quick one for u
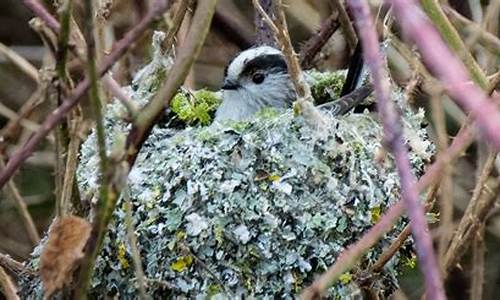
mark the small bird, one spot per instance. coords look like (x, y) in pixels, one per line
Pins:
(258, 77)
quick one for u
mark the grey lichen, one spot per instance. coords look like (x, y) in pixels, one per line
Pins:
(254, 209)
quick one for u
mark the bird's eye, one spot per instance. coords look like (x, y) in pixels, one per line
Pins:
(258, 78)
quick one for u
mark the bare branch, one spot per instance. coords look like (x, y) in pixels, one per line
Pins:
(56, 116)
(314, 45)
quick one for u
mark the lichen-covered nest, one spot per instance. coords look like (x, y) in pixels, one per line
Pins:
(253, 209)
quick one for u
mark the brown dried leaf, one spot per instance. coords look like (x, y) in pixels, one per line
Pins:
(62, 252)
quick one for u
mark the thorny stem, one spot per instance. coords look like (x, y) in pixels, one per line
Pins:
(105, 204)
(449, 69)
(393, 136)
(450, 34)
(475, 212)
(281, 35)
(56, 116)
(488, 40)
(350, 256)
(403, 235)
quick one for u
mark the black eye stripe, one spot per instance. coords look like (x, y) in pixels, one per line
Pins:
(274, 62)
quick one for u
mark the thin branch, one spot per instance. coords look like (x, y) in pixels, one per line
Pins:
(449, 69)
(482, 200)
(56, 116)
(144, 123)
(477, 273)
(12, 265)
(188, 52)
(446, 188)
(9, 131)
(8, 287)
(69, 184)
(64, 33)
(180, 12)
(263, 28)
(105, 204)
(132, 241)
(450, 34)
(22, 209)
(20, 62)
(39, 10)
(393, 136)
(488, 40)
(345, 23)
(317, 41)
(13, 116)
(400, 240)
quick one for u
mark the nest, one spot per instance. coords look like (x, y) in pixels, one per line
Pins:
(247, 209)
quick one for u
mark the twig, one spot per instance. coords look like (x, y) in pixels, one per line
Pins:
(9, 131)
(346, 24)
(145, 121)
(263, 28)
(20, 62)
(232, 28)
(105, 204)
(446, 189)
(391, 250)
(449, 69)
(314, 45)
(488, 40)
(64, 33)
(69, 183)
(132, 241)
(11, 264)
(280, 31)
(450, 34)
(400, 240)
(8, 287)
(77, 46)
(481, 202)
(36, 7)
(57, 115)
(189, 50)
(351, 255)
(13, 116)
(393, 136)
(22, 209)
(477, 273)
(180, 12)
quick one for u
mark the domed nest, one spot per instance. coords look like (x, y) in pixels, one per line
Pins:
(249, 209)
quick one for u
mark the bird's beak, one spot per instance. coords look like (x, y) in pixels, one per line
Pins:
(230, 85)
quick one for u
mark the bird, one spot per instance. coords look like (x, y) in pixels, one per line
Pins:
(258, 77)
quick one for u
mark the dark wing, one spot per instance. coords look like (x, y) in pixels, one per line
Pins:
(344, 104)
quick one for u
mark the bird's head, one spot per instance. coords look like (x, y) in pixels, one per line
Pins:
(256, 78)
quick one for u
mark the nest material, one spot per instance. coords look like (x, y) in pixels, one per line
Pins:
(249, 209)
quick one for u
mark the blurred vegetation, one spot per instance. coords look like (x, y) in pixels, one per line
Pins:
(232, 31)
